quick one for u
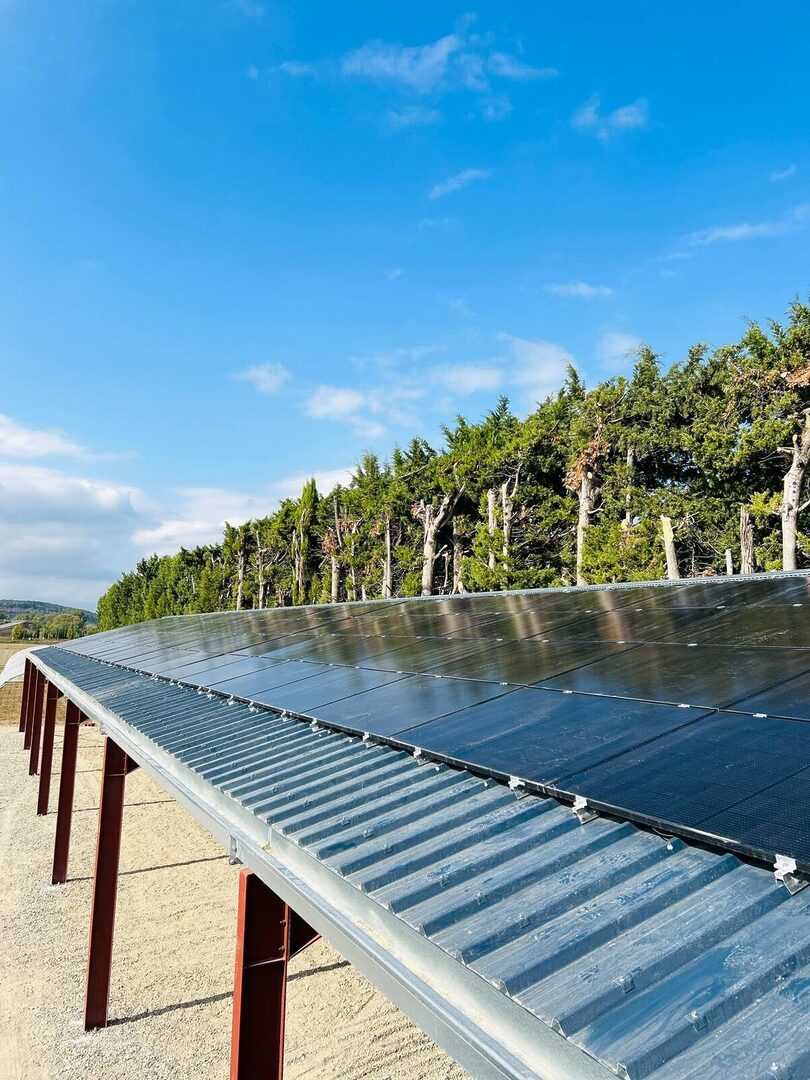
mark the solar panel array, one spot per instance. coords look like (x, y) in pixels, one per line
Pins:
(683, 706)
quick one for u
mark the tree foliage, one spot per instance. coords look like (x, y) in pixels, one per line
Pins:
(573, 492)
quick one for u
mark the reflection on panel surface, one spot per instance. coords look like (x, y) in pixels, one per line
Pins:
(661, 702)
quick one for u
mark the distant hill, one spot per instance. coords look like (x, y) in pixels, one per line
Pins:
(14, 608)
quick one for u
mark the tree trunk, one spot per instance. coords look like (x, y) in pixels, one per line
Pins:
(729, 562)
(747, 565)
(792, 492)
(240, 570)
(491, 526)
(388, 570)
(458, 555)
(507, 515)
(587, 502)
(433, 521)
(335, 591)
(673, 573)
(631, 464)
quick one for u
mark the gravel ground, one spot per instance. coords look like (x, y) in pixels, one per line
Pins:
(170, 1001)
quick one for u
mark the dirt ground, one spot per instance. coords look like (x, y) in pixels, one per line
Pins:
(170, 1001)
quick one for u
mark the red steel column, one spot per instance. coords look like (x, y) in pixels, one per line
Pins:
(48, 733)
(105, 884)
(29, 706)
(36, 725)
(67, 782)
(268, 934)
(26, 688)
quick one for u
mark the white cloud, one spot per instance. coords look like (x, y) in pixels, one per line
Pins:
(265, 378)
(396, 273)
(198, 515)
(458, 304)
(589, 117)
(614, 348)
(496, 108)
(538, 367)
(343, 404)
(468, 378)
(418, 67)
(297, 69)
(434, 223)
(17, 440)
(794, 220)
(579, 289)
(784, 174)
(64, 538)
(412, 116)
(510, 67)
(459, 61)
(457, 182)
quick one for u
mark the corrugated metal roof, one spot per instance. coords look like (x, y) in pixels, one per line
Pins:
(656, 958)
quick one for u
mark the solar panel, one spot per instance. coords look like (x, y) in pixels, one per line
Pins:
(663, 704)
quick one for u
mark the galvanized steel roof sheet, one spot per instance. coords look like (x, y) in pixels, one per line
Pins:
(655, 958)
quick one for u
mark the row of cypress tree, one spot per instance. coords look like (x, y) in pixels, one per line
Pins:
(575, 492)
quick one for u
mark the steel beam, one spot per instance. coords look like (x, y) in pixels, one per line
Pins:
(268, 935)
(105, 884)
(26, 688)
(48, 732)
(67, 782)
(36, 725)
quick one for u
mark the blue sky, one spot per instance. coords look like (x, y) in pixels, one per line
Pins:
(244, 241)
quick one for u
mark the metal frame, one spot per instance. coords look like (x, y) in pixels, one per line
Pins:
(67, 782)
(268, 935)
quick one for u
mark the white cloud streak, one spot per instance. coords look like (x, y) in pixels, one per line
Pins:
(510, 67)
(199, 514)
(795, 219)
(457, 182)
(18, 440)
(419, 67)
(784, 174)
(590, 118)
(579, 289)
(614, 349)
(265, 378)
(409, 116)
(538, 367)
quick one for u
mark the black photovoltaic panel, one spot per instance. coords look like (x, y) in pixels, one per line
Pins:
(611, 693)
(745, 779)
(543, 735)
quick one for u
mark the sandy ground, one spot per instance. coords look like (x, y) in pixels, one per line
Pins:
(170, 1002)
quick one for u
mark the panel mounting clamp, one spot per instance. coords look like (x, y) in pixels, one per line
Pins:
(785, 872)
(518, 787)
(582, 810)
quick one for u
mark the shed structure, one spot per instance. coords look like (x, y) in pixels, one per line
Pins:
(559, 848)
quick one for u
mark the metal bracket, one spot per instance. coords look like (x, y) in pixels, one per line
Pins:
(582, 810)
(517, 787)
(784, 871)
(233, 857)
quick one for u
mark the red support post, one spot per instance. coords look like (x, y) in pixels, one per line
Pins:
(105, 884)
(67, 782)
(36, 725)
(29, 706)
(268, 935)
(26, 688)
(48, 732)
